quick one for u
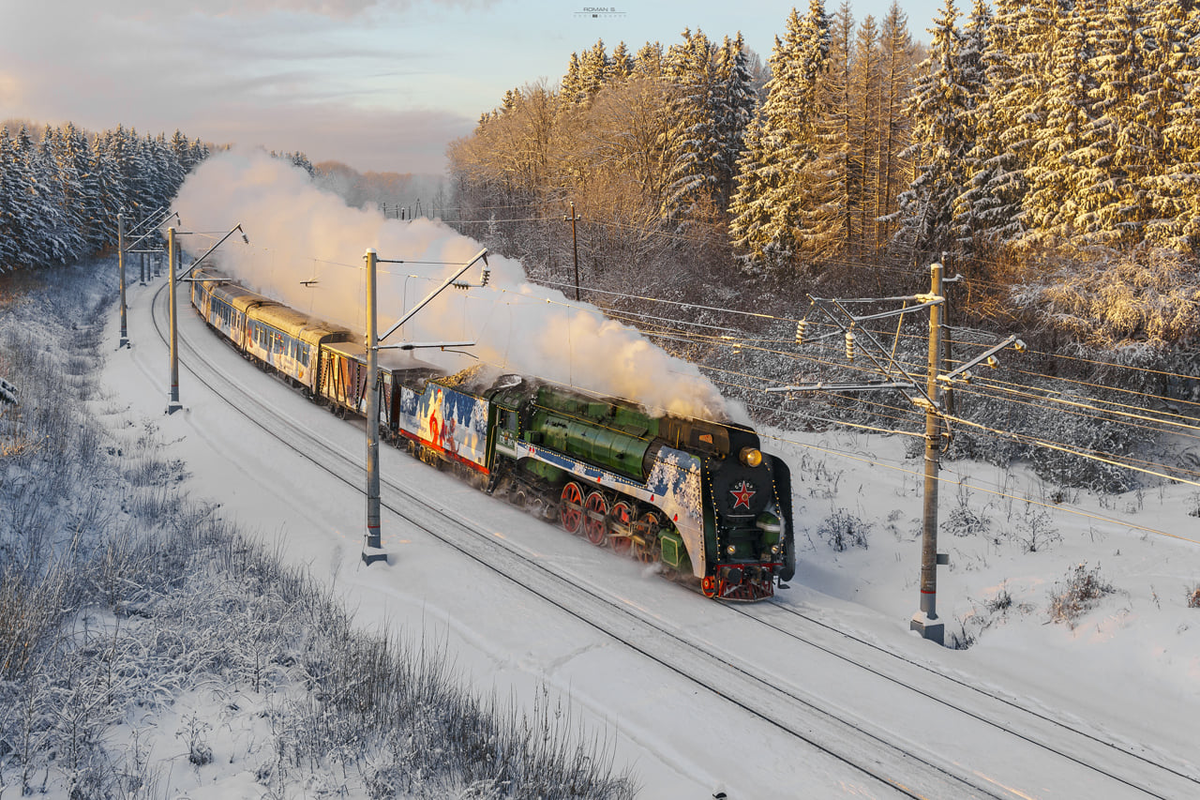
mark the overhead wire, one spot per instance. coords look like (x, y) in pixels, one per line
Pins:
(691, 337)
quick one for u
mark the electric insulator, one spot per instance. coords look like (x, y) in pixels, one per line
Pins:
(850, 346)
(992, 362)
(487, 275)
(801, 329)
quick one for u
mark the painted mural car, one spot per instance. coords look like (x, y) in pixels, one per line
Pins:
(697, 497)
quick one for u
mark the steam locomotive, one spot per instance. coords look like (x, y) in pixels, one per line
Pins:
(698, 497)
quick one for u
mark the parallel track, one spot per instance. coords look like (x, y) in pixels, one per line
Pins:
(884, 763)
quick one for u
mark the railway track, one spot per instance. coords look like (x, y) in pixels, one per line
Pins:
(882, 762)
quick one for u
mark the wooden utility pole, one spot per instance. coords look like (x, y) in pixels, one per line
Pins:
(574, 246)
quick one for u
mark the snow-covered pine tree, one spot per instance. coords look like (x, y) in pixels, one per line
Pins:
(109, 185)
(864, 115)
(181, 152)
(1172, 93)
(63, 242)
(938, 107)
(693, 143)
(767, 209)
(199, 152)
(897, 59)
(735, 105)
(997, 174)
(1121, 144)
(830, 187)
(37, 207)
(1055, 201)
(620, 64)
(74, 163)
(966, 226)
(648, 61)
(594, 70)
(9, 199)
(571, 88)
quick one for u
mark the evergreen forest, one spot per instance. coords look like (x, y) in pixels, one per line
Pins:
(61, 188)
(1046, 150)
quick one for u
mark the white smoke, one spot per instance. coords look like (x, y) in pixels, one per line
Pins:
(299, 233)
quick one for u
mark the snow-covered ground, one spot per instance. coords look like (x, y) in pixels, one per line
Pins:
(1128, 668)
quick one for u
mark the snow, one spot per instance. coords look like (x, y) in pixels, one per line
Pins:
(1128, 670)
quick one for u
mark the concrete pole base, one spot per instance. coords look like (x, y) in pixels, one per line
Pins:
(931, 629)
(372, 554)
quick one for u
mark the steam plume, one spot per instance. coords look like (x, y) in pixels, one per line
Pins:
(299, 233)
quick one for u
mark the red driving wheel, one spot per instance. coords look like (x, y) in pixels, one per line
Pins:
(570, 507)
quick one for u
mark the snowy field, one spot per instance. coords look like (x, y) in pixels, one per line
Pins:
(1125, 668)
(1128, 666)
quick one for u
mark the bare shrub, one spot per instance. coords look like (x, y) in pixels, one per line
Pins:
(1035, 529)
(842, 530)
(1081, 591)
(963, 520)
(963, 638)
(1193, 597)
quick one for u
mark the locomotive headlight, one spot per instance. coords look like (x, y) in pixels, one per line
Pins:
(775, 549)
(750, 456)
(731, 549)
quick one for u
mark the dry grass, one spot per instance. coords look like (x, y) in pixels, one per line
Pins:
(1080, 593)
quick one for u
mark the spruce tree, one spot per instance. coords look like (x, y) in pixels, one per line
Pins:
(968, 224)
(693, 150)
(621, 63)
(864, 134)
(1055, 201)
(830, 184)
(1173, 185)
(997, 184)
(897, 59)
(735, 105)
(9, 203)
(648, 62)
(1121, 143)
(938, 107)
(768, 209)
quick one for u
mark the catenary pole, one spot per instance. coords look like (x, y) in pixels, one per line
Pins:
(374, 542)
(173, 404)
(926, 620)
(121, 276)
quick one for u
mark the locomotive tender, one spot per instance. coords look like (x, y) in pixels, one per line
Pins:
(699, 497)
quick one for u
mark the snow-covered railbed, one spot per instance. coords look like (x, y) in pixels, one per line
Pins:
(772, 697)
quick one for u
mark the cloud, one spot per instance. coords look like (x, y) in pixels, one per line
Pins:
(11, 95)
(292, 83)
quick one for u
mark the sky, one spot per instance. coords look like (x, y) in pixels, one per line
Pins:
(381, 86)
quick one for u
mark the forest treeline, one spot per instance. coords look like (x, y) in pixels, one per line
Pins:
(60, 195)
(62, 187)
(1049, 149)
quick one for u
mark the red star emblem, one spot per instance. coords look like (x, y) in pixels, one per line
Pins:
(742, 494)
